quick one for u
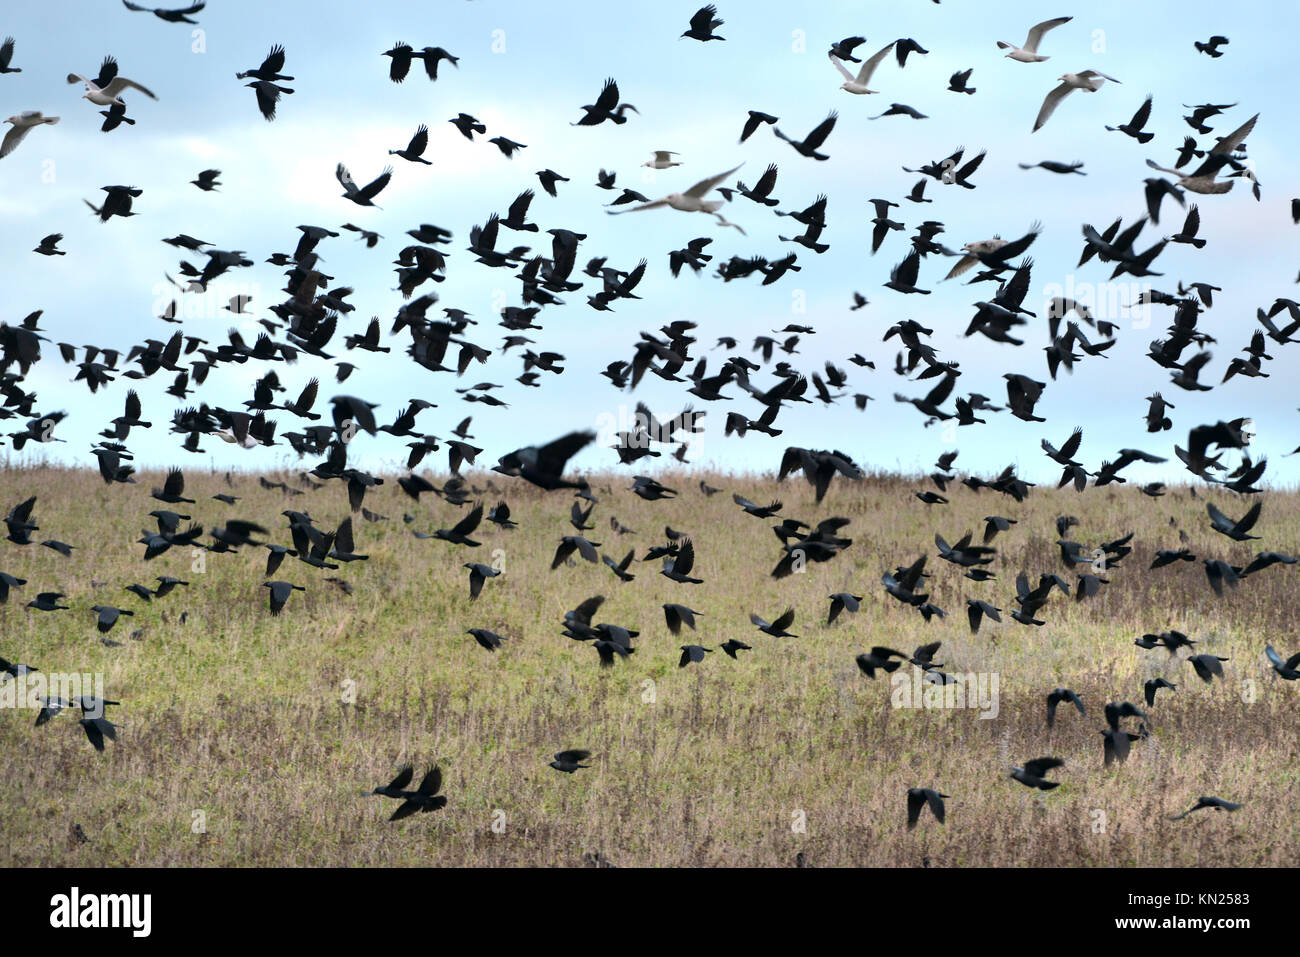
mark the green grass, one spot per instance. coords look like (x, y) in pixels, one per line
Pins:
(241, 715)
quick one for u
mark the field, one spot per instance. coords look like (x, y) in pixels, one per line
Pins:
(248, 739)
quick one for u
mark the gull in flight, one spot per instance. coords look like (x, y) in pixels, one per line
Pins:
(22, 123)
(108, 95)
(691, 201)
(661, 160)
(1089, 80)
(1029, 52)
(859, 83)
(1202, 179)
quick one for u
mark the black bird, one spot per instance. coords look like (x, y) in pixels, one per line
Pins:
(414, 151)
(459, 533)
(1056, 697)
(7, 55)
(957, 82)
(620, 568)
(777, 629)
(1134, 126)
(809, 145)
(731, 646)
(507, 146)
(108, 616)
(677, 615)
(1032, 774)
(394, 788)
(488, 639)
(1207, 667)
(1216, 803)
(48, 601)
(758, 511)
(571, 543)
(841, 601)
(1152, 685)
(171, 16)
(703, 23)
(1237, 530)
(467, 125)
(905, 46)
(918, 799)
(93, 722)
(268, 91)
(1116, 740)
(692, 653)
(570, 761)
(549, 178)
(400, 57)
(879, 658)
(173, 490)
(11, 670)
(753, 122)
(363, 196)
(478, 574)
(207, 180)
(425, 798)
(977, 610)
(1055, 167)
(678, 567)
(543, 466)
(1211, 48)
(843, 49)
(48, 245)
(1288, 669)
(606, 107)
(280, 592)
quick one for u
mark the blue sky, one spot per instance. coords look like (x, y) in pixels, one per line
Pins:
(525, 70)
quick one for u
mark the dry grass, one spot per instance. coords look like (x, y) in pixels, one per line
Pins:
(240, 715)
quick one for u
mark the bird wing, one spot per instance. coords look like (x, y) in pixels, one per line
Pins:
(815, 139)
(1050, 103)
(654, 204)
(1038, 29)
(608, 98)
(419, 142)
(376, 185)
(12, 139)
(700, 189)
(345, 178)
(1142, 115)
(1227, 144)
(120, 83)
(432, 782)
(403, 778)
(869, 67)
(915, 801)
(685, 559)
(848, 77)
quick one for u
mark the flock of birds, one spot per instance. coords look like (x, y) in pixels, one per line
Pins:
(307, 324)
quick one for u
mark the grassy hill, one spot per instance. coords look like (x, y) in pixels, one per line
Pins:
(248, 739)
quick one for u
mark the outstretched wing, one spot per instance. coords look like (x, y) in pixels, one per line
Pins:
(345, 178)
(869, 67)
(376, 185)
(1049, 105)
(120, 83)
(655, 204)
(701, 189)
(848, 77)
